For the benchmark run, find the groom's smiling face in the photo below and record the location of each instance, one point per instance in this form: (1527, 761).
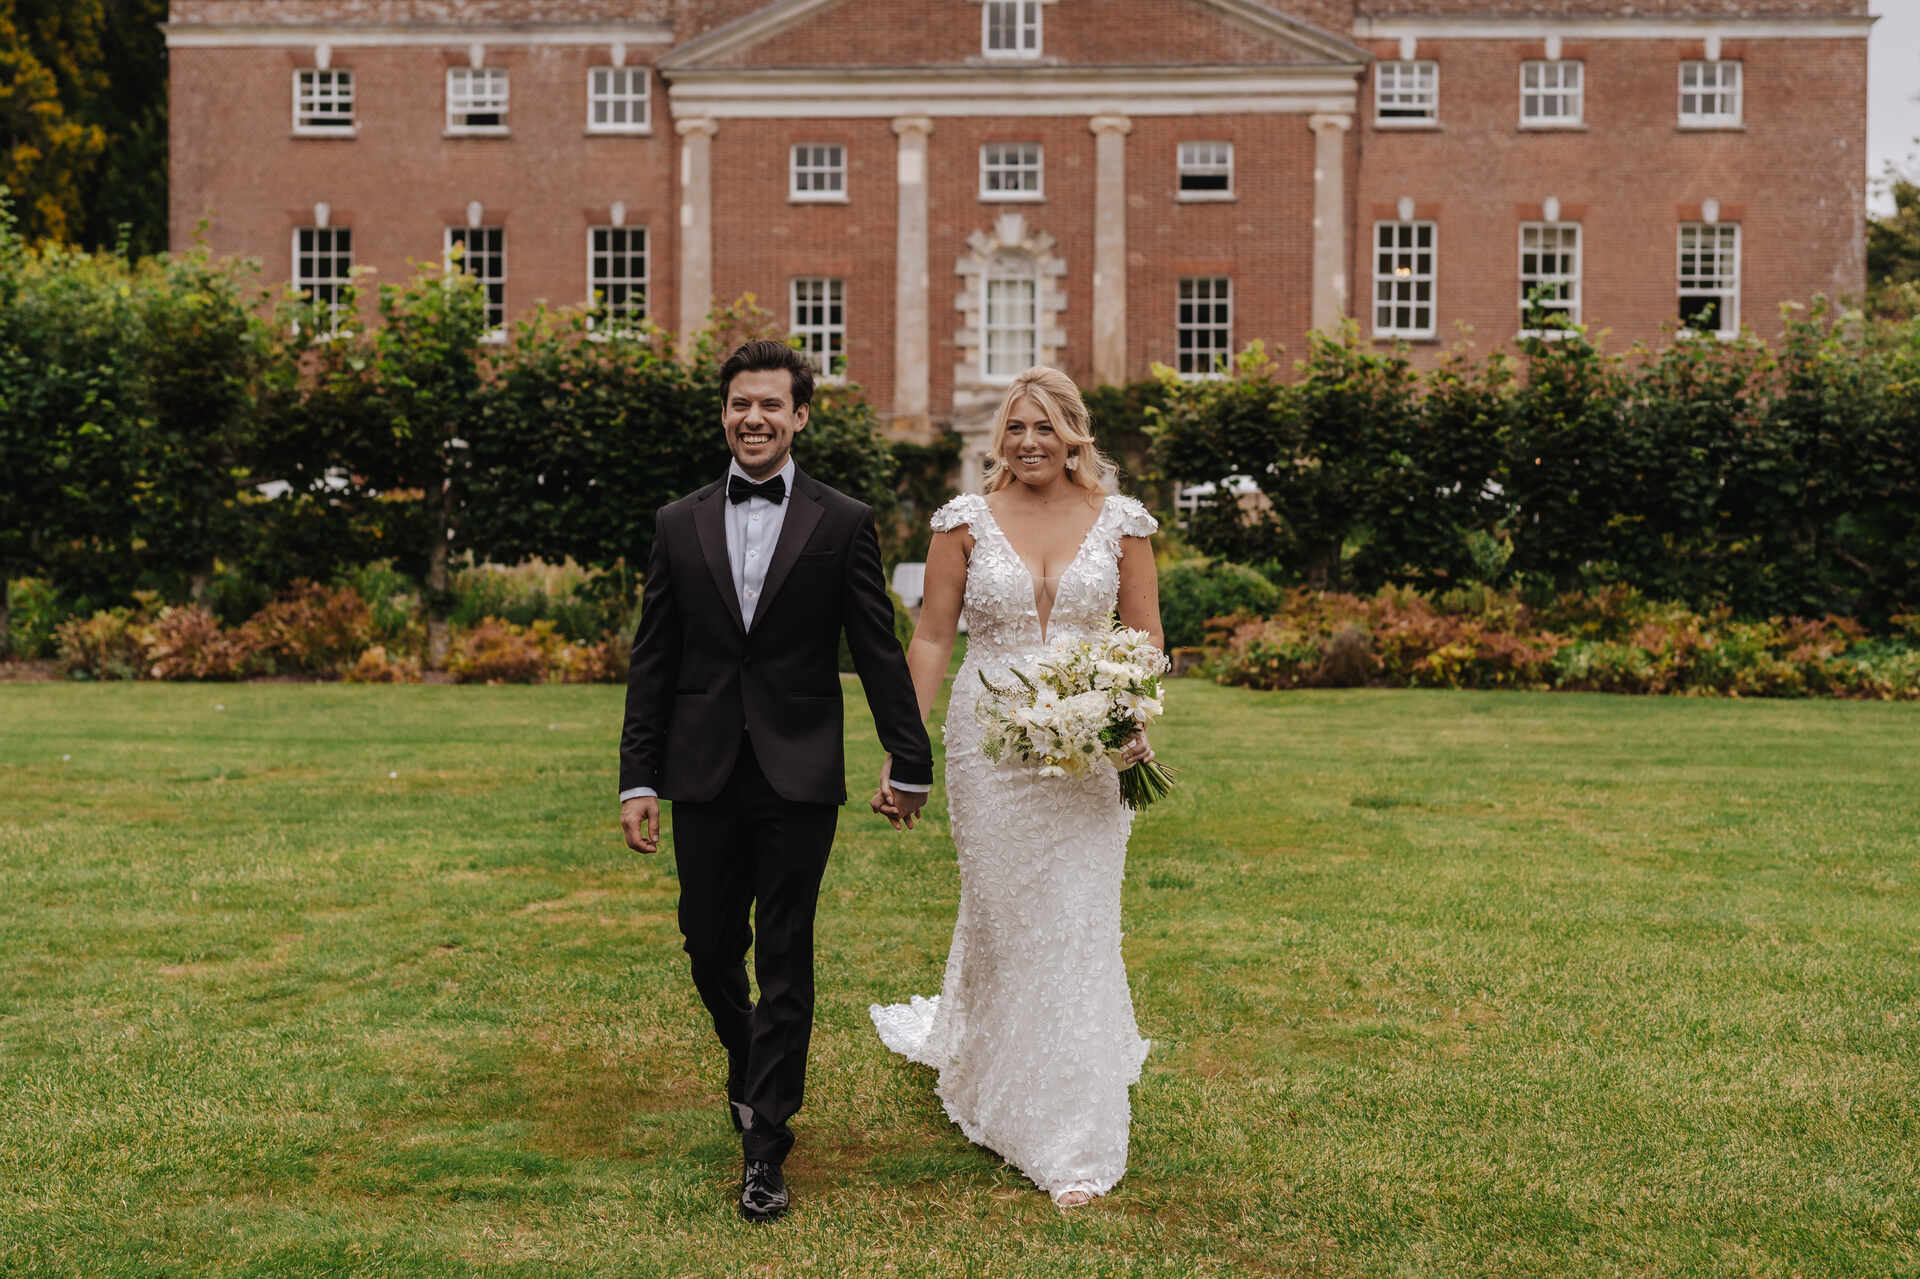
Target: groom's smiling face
(760, 420)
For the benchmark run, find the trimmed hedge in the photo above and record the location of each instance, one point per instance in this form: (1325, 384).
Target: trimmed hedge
(1779, 481)
(169, 426)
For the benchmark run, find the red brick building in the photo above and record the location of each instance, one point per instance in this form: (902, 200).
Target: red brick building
(937, 193)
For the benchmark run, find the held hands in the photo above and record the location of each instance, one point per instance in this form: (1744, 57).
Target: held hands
(1136, 751)
(640, 823)
(901, 807)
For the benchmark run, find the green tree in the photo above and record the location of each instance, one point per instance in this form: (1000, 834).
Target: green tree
(70, 414)
(583, 438)
(202, 353)
(368, 425)
(1225, 432)
(49, 68)
(427, 364)
(584, 435)
(1893, 251)
(1361, 480)
(127, 190)
(1570, 482)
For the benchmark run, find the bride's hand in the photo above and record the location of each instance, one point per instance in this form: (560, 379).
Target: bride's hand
(1136, 751)
(883, 801)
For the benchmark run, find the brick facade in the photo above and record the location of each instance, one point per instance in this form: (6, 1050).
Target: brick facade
(732, 83)
(1129, 33)
(690, 17)
(1613, 8)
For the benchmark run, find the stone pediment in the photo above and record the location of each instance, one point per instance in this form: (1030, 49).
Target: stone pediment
(797, 35)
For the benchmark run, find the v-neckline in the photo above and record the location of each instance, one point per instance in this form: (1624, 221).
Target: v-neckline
(1033, 583)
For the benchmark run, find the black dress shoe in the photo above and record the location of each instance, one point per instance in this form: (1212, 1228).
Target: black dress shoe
(763, 1191)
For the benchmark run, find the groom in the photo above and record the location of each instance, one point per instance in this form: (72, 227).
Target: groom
(733, 713)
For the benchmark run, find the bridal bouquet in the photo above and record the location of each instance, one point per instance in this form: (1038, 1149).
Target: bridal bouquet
(1080, 704)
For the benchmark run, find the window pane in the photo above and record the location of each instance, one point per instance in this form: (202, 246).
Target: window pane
(1403, 279)
(617, 271)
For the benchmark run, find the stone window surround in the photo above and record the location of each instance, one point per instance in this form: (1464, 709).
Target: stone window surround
(1009, 236)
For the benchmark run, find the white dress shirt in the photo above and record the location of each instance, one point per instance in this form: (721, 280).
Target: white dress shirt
(753, 530)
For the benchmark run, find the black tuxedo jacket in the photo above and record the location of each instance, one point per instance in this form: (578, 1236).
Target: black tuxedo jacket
(698, 675)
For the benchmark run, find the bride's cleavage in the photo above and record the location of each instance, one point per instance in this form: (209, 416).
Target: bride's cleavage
(1046, 586)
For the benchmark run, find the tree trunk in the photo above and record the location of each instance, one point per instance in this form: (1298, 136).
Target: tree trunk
(198, 583)
(439, 641)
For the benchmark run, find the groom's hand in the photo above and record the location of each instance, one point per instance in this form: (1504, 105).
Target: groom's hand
(908, 804)
(901, 807)
(640, 823)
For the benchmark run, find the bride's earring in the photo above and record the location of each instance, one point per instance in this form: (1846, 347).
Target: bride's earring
(1073, 461)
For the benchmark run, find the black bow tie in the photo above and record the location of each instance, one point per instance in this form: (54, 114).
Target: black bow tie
(740, 488)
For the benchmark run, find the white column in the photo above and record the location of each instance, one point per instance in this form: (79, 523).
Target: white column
(696, 226)
(1329, 218)
(1110, 248)
(912, 340)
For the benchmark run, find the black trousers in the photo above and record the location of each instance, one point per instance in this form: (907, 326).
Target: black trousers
(749, 860)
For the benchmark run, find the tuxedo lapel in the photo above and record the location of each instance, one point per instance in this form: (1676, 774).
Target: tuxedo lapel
(710, 523)
(803, 515)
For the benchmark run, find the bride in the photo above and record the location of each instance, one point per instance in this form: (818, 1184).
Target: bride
(1033, 1031)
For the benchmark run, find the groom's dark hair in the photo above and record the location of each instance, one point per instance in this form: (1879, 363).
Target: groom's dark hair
(762, 354)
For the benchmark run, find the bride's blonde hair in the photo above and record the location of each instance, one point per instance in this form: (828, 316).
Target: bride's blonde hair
(1059, 399)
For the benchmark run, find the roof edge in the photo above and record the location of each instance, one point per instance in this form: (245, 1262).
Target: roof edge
(774, 18)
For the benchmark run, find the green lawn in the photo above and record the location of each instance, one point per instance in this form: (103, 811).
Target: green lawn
(325, 980)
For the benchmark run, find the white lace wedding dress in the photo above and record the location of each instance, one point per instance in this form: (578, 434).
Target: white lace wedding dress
(1033, 1031)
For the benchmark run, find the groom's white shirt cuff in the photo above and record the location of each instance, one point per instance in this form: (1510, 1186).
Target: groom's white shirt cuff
(639, 791)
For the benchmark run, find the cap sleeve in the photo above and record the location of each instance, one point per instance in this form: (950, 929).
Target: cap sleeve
(961, 510)
(1132, 517)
